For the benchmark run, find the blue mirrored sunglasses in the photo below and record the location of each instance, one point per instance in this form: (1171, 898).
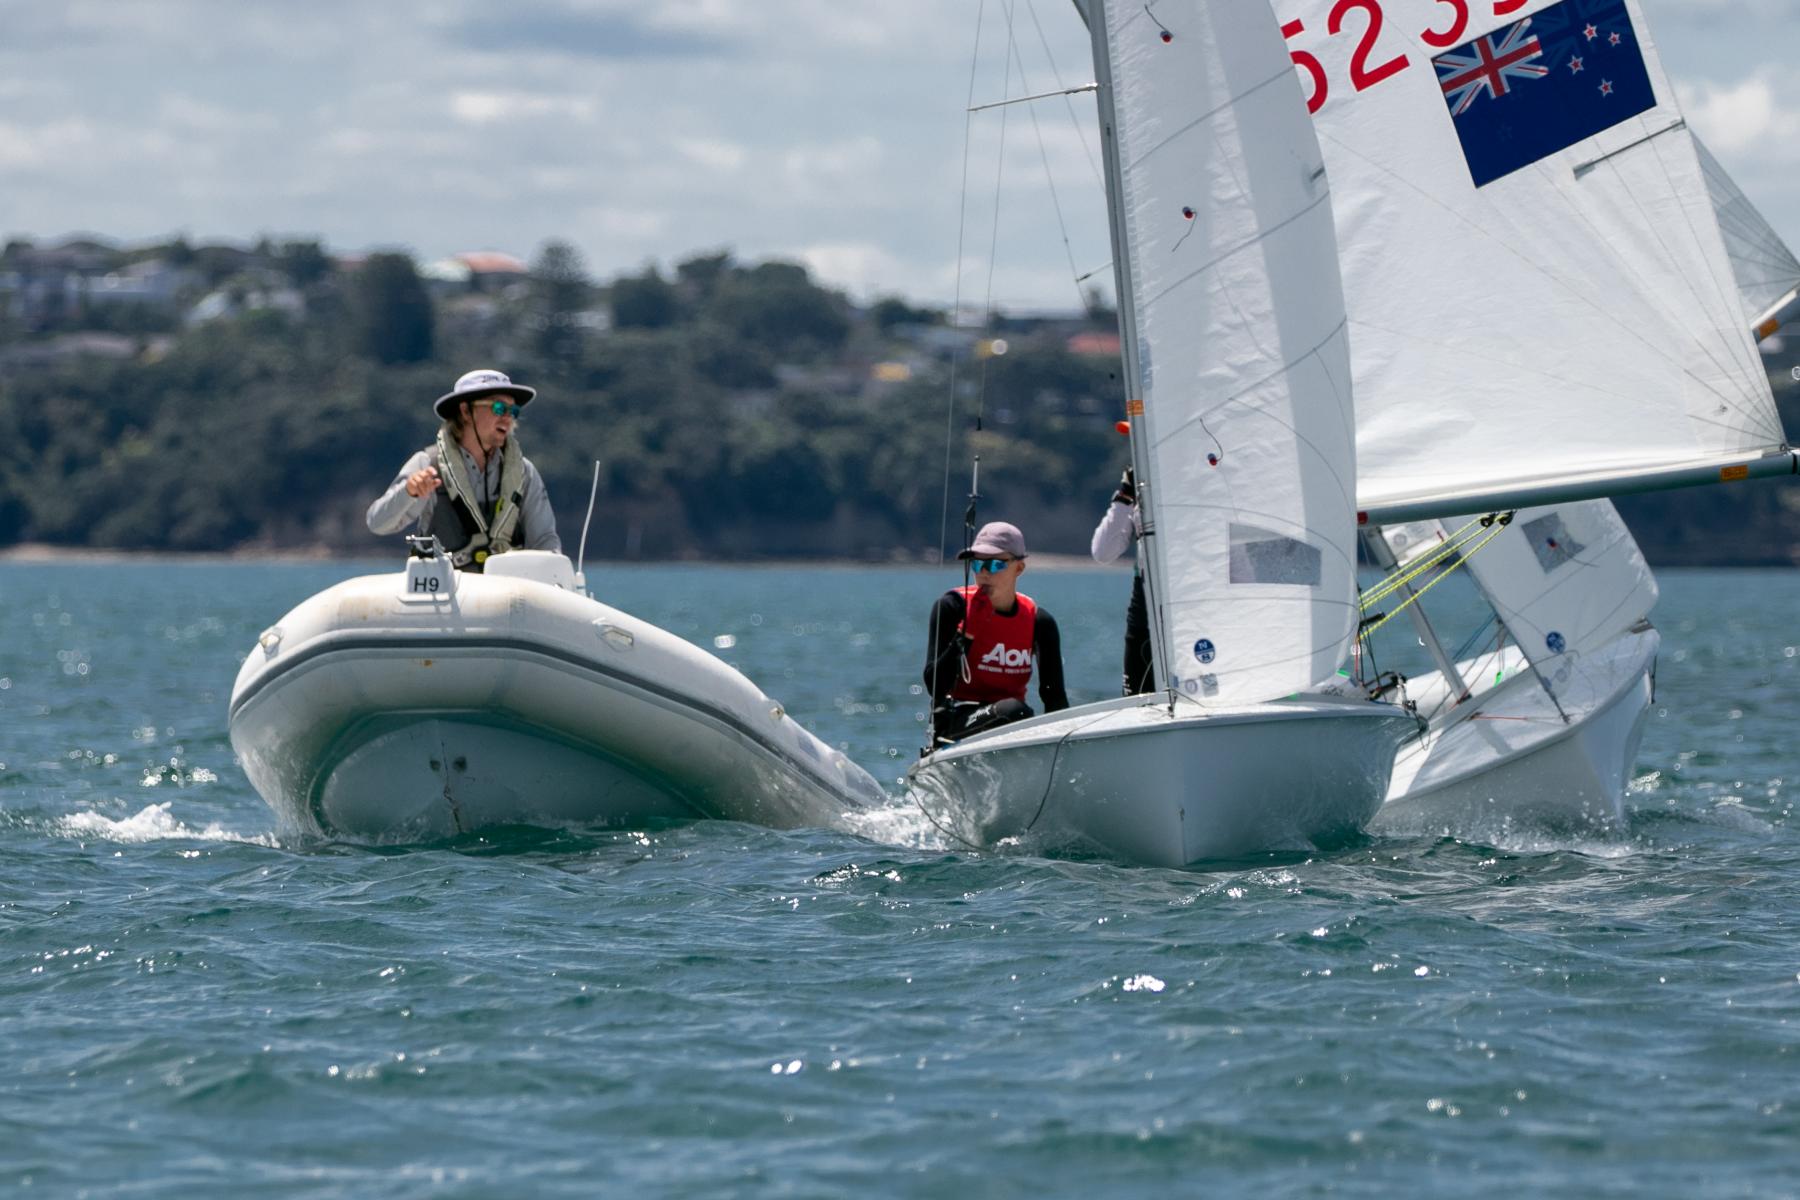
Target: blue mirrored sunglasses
(994, 565)
(503, 409)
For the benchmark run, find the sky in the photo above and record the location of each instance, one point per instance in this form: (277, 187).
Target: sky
(826, 131)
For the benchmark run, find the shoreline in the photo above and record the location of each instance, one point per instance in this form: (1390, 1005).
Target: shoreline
(42, 552)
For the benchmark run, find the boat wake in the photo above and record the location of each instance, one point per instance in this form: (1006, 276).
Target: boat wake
(898, 822)
(154, 823)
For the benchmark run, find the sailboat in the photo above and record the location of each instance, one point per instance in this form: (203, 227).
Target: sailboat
(1551, 289)
(1539, 729)
(1242, 432)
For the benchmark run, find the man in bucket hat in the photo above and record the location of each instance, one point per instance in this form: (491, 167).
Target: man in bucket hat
(984, 640)
(473, 487)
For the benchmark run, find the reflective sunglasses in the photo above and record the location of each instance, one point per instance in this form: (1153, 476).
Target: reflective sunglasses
(503, 409)
(993, 565)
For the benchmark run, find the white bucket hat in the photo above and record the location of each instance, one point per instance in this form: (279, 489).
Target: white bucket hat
(481, 382)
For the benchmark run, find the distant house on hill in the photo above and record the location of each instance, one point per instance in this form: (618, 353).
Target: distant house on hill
(1093, 345)
(85, 344)
(41, 285)
(483, 271)
(237, 298)
(155, 282)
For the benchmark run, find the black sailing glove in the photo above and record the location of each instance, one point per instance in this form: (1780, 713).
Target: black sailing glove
(1127, 493)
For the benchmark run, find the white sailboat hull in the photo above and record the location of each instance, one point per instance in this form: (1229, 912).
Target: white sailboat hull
(1129, 780)
(1507, 759)
(367, 713)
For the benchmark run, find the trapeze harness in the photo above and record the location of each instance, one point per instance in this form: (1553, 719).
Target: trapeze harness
(460, 526)
(997, 664)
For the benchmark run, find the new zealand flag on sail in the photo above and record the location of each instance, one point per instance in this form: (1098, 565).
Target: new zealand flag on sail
(1538, 86)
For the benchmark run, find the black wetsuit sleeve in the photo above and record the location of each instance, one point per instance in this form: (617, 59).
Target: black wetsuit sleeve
(943, 652)
(1049, 664)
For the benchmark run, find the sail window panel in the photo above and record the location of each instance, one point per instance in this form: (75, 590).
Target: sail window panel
(1264, 556)
(1551, 541)
(1413, 540)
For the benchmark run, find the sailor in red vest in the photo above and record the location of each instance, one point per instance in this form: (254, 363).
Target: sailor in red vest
(984, 641)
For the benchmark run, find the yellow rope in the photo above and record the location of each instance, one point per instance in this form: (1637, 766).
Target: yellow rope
(1394, 583)
(1498, 525)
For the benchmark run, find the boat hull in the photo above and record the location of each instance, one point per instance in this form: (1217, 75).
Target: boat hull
(1509, 759)
(1130, 780)
(369, 714)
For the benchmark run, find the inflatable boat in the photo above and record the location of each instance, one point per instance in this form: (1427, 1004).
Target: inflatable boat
(433, 702)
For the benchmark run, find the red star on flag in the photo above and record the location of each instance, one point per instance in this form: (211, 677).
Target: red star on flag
(1575, 65)
(1615, 39)
(1606, 87)
(1590, 33)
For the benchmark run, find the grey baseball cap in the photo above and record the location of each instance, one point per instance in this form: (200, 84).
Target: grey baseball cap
(995, 539)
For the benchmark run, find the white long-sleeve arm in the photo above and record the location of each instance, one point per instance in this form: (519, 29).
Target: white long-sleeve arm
(394, 510)
(1114, 534)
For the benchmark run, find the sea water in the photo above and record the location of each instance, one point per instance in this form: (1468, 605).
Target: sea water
(192, 1006)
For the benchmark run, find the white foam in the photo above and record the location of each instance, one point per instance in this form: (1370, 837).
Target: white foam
(153, 824)
(900, 822)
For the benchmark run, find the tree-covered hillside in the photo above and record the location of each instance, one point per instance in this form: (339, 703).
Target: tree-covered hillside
(214, 398)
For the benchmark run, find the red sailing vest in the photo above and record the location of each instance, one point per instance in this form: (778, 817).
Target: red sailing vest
(998, 663)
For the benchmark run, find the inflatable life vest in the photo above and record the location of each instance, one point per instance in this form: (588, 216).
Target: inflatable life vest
(997, 665)
(469, 534)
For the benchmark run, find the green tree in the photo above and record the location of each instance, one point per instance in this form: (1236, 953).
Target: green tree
(699, 275)
(393, 317)
(305, 263)
(777, 305)
(890, 311)
(560, 291)
(644, 301)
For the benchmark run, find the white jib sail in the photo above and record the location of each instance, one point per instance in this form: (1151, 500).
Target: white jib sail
(1766, 271)
(1535, 299)
(1565, 580)
(1245, 438)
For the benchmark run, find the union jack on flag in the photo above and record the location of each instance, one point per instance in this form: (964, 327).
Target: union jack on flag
(1487, 64)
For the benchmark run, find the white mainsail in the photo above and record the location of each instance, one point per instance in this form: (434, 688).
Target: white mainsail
(1233, 316)
(1767, 273)
(1571, 326)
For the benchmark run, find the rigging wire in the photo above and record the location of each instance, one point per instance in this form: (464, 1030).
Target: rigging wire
(1050, 183)
(962, 217)
(1056, 75)
(994, 237)
(1404, 575)
(1497, 525)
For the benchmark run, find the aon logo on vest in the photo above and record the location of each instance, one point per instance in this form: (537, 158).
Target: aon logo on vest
(1000, 656)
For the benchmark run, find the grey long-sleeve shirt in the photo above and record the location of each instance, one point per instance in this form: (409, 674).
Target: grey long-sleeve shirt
(394, 510)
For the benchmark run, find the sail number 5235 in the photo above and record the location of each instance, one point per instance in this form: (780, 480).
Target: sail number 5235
(1364, 73)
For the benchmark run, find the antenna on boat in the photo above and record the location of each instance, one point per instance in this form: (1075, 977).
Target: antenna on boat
(581, 554)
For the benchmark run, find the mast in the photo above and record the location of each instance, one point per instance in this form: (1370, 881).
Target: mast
(1384, 558)
(1094, 13)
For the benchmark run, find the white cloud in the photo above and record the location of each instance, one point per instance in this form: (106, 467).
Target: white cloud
(715, 154)
(483, 108)
(23, 146)
(1734, 118)
(828, 130)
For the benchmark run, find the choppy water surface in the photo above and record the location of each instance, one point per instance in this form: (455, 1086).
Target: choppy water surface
(190, 1007)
